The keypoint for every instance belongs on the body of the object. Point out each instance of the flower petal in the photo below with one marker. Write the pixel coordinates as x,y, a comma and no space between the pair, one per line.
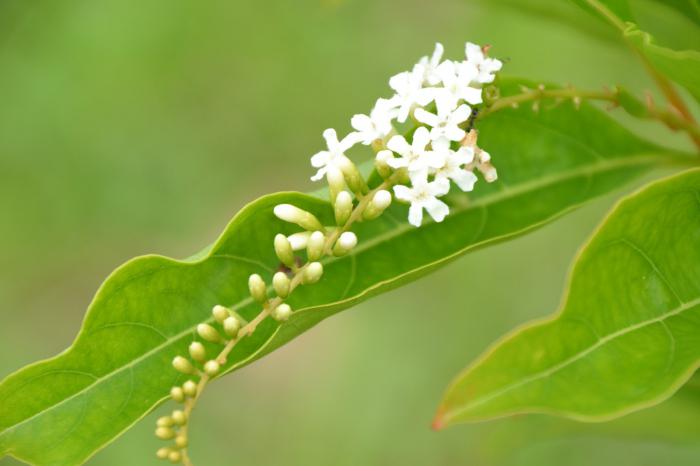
403,192
437,209
465,179
415,215
399,145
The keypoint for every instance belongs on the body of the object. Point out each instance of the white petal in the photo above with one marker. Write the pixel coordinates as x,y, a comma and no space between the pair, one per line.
473,53
415,215
439,187
445,100
331,138
425,96
463,156
437,54
397,163
319,174
441,144
433,159
320,159
421,138
461,114
437,209
426,117
400,82
361,122
464,179
454,133
446,71
349,141
399,145
471,95
403,192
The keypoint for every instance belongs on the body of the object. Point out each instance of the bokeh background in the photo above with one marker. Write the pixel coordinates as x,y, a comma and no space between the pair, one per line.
131,126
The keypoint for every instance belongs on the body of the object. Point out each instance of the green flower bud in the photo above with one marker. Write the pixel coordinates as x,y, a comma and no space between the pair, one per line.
336,181
380,163
165,433
257,288
177,394
179,417
163,453
312,273
197,351
165,421
281,284
293,214
181,441
211,367
342,207
352,176
314,249
284,251
183,365
208,333
189,388
174,456
380,201
220,313
282,312
231,326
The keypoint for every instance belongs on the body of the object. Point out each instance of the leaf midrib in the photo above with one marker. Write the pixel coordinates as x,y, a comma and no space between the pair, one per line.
597,167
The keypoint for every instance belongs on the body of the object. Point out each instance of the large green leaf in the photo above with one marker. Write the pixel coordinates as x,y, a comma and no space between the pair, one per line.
60,411
628,334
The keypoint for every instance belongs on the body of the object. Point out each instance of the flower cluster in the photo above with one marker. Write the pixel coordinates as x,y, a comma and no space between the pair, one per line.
440,96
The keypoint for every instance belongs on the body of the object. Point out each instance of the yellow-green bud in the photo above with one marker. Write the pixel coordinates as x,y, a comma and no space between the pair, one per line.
174,456
220,313
211,367
209,333
342,207
312,273
165,433
181,441
177,394
380,163
345,243
165,421
314,249
282,312
294,214
163,453
336,181
183,365
380,201
197,351
189,388
281,284
179,417
352,176
283,249
231,326
257,288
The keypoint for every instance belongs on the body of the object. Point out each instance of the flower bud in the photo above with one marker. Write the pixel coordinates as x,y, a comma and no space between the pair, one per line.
174,456
177,394
165,433
183,365
298,242
197,351
231,326
209,333
165,421
211,367
380,201
312,273
342,207
345,243
293,214
257,288
163,453
181,441
352,176
281,284
380,163
314,249
282,312
189,388
336,181
220,313
284,250
489,172
179,417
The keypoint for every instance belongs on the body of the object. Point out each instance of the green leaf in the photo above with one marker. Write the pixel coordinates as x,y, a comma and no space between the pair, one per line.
628,333
62,410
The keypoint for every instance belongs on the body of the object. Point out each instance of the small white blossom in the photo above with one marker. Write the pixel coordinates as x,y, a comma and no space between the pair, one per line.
423,194
377,125
335,154
486,67
409,92
456,79
445,125
453,168
414,156
429,65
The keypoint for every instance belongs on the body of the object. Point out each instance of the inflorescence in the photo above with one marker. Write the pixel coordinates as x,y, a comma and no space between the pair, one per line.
419,164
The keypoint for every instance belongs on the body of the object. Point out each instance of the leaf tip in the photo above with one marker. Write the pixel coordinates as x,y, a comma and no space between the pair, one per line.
438,421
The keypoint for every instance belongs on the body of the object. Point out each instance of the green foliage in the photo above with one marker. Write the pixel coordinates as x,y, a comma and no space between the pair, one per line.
62,410
629,331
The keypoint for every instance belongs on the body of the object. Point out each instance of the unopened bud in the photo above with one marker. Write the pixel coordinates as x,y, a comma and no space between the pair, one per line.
220,313
336,181
183,365
282,312
177,394
284,250
181,441
281,284
312,273
189,388
211,367
197,351
489,172
231,326
165,433
314,249
179,417
352,176
342,207
380,163
257,288
345,243
209,333
165,421
298,242
293,214
380,201
162,453
174,456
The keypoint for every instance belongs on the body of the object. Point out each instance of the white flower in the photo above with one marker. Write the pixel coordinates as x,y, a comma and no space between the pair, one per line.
423,195
414,156
452,168
429,65
409,91
486,67
335,154
445,125
457,79
377,125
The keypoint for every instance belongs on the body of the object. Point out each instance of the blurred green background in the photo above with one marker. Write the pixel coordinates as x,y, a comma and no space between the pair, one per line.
129,127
